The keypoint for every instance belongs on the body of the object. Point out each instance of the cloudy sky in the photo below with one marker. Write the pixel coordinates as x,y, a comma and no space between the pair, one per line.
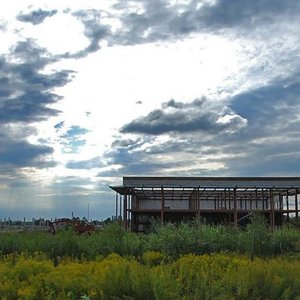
91,91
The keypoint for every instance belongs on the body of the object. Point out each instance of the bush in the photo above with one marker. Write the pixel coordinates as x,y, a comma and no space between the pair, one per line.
67,243
258,236
171,240
152,258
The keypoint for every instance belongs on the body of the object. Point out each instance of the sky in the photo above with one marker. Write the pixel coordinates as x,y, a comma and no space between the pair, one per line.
91,91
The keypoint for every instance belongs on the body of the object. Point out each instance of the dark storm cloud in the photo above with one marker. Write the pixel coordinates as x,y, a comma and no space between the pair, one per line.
159,20
175,157
15,151
37,16
126,153
273,158
275,101
185,117
21,153
151,25
133,26
247,13
231,14
128,144
260,154
268,146
271,142
25,92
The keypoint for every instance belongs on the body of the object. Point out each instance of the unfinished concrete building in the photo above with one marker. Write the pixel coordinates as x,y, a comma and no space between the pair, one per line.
210,199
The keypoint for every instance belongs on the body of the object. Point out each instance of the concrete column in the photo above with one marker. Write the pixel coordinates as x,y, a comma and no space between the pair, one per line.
120,212
117,206
162,206
287,204
125,212
235,216
198,208
296,203
272,213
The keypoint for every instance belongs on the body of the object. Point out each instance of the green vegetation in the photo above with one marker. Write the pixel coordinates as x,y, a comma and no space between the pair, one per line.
186,261
216,276
171,240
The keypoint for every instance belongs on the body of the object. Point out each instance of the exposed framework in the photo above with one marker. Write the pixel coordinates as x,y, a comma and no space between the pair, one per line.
216,199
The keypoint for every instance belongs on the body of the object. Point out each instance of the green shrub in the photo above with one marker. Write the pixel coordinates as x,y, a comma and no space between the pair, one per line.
171,240
152,258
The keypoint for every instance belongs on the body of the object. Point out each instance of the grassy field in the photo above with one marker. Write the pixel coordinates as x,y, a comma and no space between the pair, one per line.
215,276
171,240
187,261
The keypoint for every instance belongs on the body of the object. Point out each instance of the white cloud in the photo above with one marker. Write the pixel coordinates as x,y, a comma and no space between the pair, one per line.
59,34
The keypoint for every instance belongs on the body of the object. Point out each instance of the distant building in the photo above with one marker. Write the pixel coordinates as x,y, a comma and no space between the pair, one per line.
210,199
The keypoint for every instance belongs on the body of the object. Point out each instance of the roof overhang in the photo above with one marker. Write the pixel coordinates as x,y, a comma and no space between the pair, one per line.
279,184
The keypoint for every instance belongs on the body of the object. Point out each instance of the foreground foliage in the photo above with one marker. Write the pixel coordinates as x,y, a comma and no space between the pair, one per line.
186,261
216,276
171,240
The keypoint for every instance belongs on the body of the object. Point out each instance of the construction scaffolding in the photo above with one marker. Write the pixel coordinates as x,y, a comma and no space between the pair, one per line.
210,199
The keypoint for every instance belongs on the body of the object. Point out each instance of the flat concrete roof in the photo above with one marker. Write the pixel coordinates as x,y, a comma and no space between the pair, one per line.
230,182
202,183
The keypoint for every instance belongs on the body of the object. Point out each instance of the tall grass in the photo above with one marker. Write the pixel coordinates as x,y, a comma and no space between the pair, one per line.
257,239
215,276
171,240
113,239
